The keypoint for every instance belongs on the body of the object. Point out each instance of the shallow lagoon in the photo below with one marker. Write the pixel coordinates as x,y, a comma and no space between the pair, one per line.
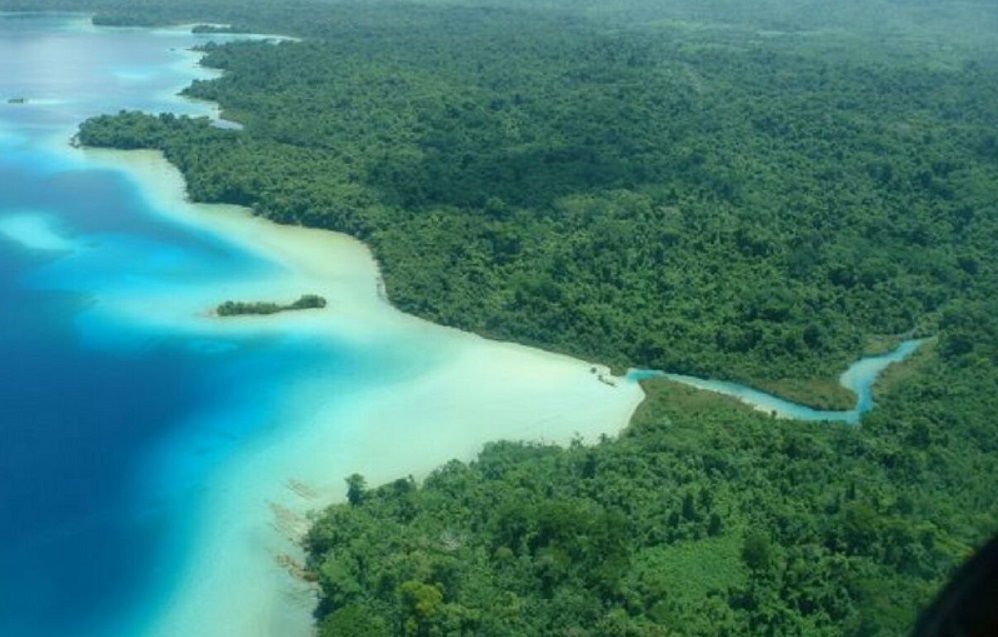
156,461
81,401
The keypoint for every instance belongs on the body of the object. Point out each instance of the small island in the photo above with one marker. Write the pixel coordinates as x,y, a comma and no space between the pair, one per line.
17,100
240,308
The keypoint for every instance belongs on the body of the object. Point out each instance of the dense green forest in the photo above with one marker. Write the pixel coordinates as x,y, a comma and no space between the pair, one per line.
686,525
665,198
758,191
238,308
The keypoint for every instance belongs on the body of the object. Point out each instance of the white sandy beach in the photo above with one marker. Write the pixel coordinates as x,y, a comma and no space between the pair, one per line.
460,392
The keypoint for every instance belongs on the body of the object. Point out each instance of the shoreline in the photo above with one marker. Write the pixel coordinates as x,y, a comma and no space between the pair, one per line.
449,392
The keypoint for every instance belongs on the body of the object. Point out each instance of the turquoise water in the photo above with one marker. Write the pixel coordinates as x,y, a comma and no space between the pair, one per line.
151,457
111,427
859,379
93,483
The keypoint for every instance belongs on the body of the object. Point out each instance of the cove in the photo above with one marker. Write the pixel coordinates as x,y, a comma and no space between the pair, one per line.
157,463
859,379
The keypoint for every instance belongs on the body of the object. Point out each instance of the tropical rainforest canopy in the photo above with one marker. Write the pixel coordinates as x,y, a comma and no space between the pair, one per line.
759,191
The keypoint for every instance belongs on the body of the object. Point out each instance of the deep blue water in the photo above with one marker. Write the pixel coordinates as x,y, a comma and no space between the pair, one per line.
94,486
87,401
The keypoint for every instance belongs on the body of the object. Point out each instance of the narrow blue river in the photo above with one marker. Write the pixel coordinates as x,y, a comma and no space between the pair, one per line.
108,424
859,379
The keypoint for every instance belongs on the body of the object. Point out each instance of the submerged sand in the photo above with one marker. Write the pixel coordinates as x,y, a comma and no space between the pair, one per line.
462,391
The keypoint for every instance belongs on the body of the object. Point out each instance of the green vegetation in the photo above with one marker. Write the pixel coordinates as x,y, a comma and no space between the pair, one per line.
214,28
704,518
237,308
701,202
760,191
826,393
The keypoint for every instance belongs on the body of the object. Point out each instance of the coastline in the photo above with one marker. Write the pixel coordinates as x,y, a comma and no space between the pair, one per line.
212,442
448,393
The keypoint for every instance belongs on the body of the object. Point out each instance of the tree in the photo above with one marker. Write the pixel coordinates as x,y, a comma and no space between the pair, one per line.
757,551
422,605
356,489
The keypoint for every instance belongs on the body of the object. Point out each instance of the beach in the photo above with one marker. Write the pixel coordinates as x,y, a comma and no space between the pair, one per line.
443,395
196,444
